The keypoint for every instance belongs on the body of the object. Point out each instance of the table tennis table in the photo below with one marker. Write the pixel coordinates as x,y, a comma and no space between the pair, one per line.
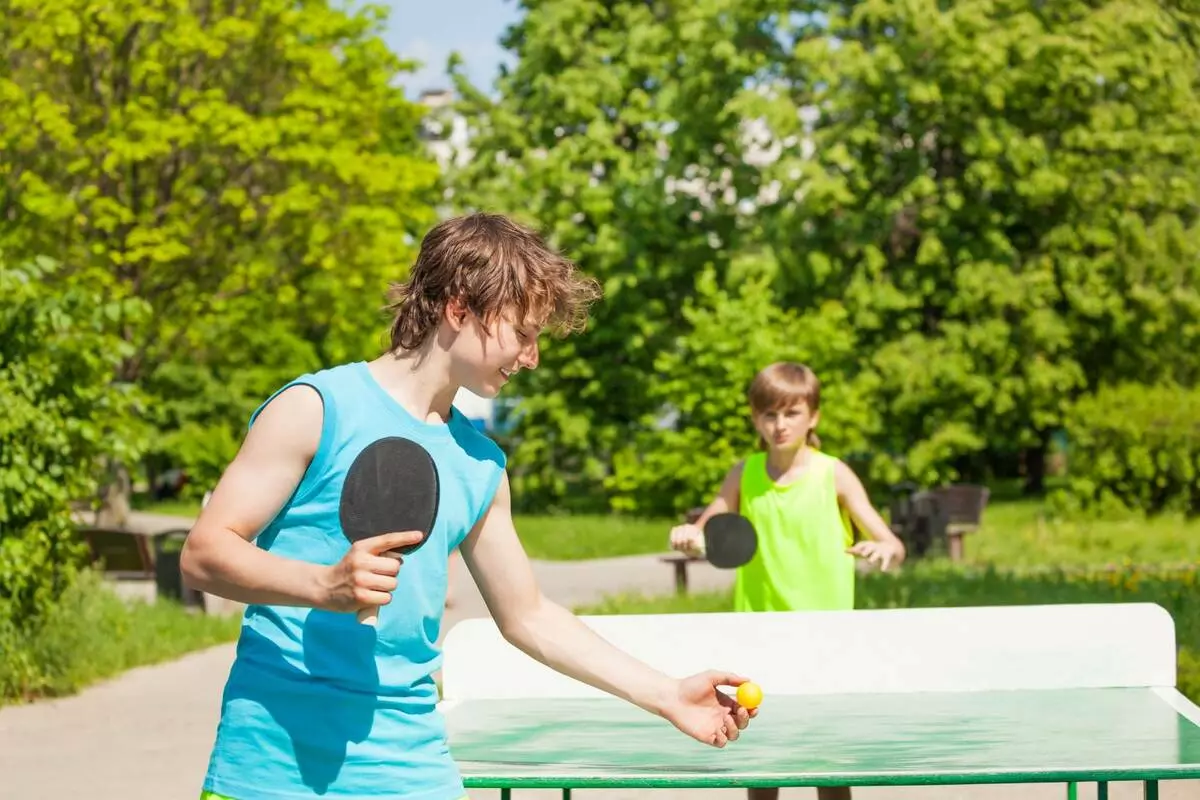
1029,694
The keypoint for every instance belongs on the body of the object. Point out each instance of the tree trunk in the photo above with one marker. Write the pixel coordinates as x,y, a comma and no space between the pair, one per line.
116,497
1035,467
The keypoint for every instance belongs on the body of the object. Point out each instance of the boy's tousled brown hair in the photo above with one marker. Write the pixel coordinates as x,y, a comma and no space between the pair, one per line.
785,383
495,266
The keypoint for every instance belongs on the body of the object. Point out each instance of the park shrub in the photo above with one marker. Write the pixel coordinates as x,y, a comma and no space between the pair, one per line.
1134,447
1188,673
65,421
91,633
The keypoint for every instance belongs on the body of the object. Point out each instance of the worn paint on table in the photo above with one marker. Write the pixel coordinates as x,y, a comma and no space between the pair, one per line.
911,739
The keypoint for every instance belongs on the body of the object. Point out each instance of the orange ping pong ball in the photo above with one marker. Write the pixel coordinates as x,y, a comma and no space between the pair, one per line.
749,694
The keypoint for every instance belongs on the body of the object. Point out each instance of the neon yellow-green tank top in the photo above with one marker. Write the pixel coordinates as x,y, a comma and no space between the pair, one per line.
803,533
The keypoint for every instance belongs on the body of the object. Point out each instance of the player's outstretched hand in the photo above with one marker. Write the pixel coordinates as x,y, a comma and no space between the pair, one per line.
366,575
882,554
707,714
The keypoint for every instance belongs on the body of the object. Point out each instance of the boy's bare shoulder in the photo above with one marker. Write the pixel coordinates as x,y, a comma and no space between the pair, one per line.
735,472
293,417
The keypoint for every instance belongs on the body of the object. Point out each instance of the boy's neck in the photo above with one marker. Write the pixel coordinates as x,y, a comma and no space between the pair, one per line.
780,461
418,380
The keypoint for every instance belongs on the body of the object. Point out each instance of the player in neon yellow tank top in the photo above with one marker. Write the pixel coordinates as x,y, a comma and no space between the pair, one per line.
804,505
804,536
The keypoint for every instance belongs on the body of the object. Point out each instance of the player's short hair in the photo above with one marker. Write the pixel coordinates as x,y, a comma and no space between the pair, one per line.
497,267
784,384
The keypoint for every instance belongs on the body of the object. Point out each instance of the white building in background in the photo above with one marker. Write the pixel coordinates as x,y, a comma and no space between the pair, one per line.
443,129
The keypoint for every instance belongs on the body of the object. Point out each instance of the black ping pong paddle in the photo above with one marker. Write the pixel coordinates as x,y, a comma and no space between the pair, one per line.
729,540
391,486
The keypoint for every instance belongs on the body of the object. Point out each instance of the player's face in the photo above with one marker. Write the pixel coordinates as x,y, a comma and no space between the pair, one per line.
490,354
786,428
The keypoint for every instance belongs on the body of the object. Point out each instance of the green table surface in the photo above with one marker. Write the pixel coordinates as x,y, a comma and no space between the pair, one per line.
908,739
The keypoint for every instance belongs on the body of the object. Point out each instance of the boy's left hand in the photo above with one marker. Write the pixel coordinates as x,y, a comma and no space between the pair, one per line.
705,713
882,554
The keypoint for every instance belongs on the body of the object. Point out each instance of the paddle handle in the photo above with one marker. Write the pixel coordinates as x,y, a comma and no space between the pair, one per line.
370,614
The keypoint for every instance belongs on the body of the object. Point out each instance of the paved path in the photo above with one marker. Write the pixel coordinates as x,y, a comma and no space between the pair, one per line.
146,734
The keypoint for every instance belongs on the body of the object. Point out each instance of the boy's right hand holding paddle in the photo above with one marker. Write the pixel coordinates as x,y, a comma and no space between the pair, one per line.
367,575
688,539
727,540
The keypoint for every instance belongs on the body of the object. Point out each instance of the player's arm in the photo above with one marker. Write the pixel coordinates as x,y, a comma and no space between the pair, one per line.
885,549
554,636
220,557
688,537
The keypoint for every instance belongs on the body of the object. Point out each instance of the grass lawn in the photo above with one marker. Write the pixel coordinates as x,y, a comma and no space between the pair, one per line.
1015,532
177,507
554,538
576,537
1023,533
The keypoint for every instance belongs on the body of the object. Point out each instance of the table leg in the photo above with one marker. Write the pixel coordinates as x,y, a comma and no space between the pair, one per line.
566,794
506,794
1102,790
1072,791
1150,790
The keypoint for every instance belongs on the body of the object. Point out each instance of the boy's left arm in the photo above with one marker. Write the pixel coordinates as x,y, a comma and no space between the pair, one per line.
554,636
885,550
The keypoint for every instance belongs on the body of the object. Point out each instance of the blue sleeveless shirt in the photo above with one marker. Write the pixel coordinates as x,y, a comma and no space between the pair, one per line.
317,704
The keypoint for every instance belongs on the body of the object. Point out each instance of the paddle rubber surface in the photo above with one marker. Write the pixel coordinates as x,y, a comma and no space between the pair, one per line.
392,485
729,540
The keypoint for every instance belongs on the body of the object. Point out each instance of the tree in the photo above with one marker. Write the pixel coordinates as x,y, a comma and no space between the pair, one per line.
702,426
248,169
1004,194
63,417
612,133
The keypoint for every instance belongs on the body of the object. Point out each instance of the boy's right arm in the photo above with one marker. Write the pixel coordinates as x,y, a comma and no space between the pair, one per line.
220,557
688,537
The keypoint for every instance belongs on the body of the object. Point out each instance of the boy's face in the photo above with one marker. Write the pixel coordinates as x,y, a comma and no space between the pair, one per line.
786,427
487,355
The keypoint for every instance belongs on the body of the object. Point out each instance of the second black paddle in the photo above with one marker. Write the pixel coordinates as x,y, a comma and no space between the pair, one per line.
729,540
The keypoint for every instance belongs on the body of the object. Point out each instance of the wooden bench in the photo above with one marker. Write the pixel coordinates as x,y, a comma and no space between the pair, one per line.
120,554
681,561
125,555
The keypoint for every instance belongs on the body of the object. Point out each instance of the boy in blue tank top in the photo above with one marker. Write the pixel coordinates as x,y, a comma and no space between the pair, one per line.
319,705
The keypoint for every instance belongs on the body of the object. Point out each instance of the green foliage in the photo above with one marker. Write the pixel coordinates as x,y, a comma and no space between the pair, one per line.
1135,447
92,634
574,537
64,416
1030,533
1004,196
1188,669
703,425
249,170
612,133
998,198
